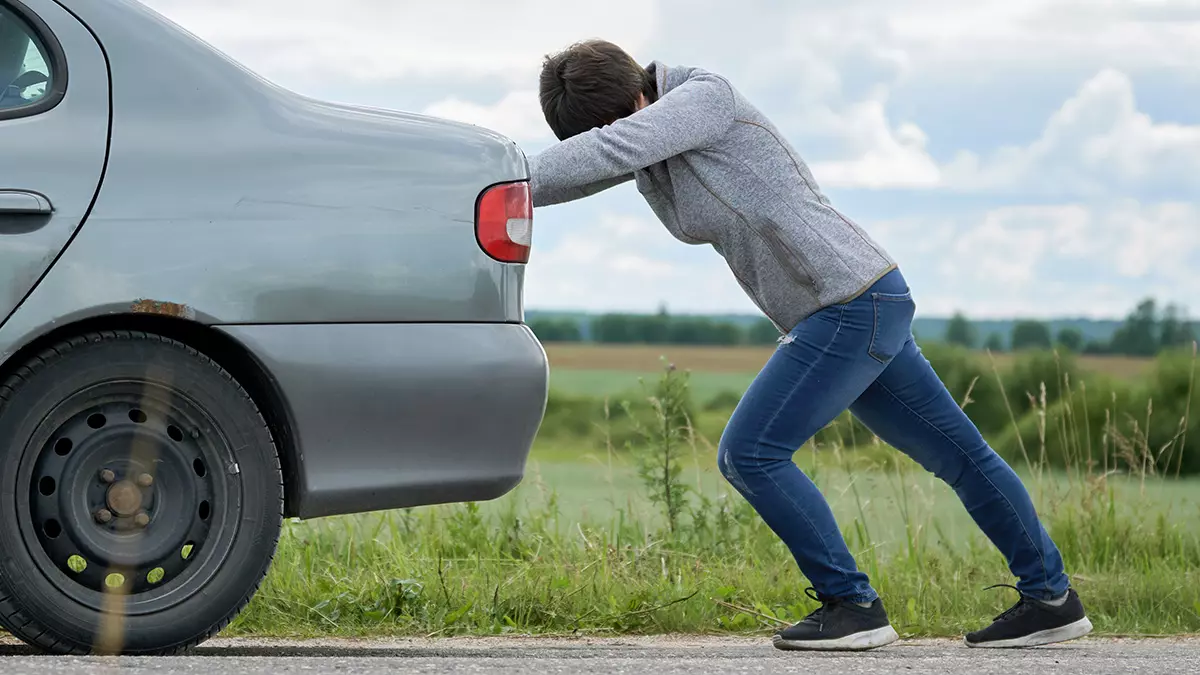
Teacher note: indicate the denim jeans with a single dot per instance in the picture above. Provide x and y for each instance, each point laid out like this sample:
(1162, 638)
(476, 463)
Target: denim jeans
(861, 355)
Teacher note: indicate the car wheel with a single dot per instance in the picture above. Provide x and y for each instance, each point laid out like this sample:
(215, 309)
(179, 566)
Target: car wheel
(141, 497)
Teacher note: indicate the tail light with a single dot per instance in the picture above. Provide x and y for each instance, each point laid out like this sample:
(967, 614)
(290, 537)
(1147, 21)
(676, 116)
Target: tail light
(504, 222)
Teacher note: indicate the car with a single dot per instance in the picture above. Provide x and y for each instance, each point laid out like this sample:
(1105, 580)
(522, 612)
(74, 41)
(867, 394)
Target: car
(225, 304)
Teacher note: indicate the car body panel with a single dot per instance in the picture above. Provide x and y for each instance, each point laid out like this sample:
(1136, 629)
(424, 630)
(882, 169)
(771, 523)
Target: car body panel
(314, 234)
(61, 158)
(462, 403)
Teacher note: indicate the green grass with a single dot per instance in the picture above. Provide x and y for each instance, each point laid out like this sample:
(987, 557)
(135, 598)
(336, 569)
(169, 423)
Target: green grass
(704, 385)
(579, 547)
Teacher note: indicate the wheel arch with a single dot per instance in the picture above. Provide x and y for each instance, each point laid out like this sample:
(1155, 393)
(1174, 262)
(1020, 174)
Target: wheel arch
(222, 348)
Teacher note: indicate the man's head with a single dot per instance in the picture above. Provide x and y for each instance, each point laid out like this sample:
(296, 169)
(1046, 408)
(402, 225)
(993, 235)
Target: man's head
(591, 84)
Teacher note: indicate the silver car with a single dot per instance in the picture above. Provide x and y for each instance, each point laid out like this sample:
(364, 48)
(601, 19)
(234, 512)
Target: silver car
(224, 304)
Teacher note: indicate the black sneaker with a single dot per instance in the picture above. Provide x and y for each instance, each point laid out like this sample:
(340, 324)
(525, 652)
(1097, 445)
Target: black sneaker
(839, 625)
(1032, 622)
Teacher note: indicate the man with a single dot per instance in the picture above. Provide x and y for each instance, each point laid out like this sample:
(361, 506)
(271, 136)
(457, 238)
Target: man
(716, 171)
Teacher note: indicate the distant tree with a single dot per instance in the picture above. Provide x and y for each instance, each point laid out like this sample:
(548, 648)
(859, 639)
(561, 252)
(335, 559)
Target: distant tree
(556, 330)
(653, 329)
(613, 328)
(701, 330)
(1071, 339)
(960, 331)
(762, 332)
(1096, 347)
(1029, 334)
(994, 343)
(726, 333)
(1138, 336)
(1174, 329)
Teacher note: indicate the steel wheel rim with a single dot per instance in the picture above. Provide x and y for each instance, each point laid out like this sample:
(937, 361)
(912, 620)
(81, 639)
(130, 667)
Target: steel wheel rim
(192, 500)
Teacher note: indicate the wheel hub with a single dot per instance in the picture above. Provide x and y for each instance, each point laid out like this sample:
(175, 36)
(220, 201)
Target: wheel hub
(124, 498)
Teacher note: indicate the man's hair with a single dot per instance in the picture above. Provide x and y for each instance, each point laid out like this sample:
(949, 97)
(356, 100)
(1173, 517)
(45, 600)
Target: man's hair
(591, 84)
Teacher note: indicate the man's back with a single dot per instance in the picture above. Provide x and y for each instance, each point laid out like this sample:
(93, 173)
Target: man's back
(747, 192)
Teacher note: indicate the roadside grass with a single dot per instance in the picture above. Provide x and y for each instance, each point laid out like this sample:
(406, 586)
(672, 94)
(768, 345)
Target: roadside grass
(650, 539)
(705, 385)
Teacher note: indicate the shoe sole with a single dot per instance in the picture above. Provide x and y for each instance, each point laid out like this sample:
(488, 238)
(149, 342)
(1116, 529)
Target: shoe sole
(868, 639)
(1070, 631)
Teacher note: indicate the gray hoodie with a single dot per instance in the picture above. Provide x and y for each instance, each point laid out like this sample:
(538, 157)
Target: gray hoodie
(716, 171)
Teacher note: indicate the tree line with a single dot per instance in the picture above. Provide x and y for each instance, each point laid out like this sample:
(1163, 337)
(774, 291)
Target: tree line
(659, 328)
(1146, 331)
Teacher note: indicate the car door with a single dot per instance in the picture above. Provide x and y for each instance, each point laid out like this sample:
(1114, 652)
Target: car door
(54, 131)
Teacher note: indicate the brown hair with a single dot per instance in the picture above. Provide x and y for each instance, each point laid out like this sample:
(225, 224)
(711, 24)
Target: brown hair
(591, 84)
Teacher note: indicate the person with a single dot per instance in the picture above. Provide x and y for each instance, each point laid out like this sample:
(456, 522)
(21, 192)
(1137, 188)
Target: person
(716, 171)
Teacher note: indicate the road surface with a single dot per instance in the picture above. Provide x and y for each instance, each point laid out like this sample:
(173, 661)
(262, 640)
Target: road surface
(659, 655)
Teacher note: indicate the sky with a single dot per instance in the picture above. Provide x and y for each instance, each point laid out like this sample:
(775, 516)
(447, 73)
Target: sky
(1032, 158)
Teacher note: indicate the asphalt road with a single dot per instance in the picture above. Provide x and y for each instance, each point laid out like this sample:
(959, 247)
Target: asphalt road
(665, 656)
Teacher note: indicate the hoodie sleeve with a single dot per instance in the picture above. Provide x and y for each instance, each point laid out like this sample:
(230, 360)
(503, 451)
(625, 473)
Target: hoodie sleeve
(693, 115)
(551, 196)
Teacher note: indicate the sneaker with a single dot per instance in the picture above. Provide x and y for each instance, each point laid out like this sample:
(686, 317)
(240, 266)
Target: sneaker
(838, 625)
(1032, 622)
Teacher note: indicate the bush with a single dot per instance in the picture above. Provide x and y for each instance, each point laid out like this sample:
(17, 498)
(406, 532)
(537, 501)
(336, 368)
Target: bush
(724, 401)
(973, 382)
(1151, 427)
(964, 373)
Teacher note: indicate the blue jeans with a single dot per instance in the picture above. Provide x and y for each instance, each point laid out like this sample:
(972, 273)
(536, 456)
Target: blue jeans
(861, 355)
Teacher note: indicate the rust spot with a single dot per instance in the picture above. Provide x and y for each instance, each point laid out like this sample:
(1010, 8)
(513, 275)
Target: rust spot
(162, 308)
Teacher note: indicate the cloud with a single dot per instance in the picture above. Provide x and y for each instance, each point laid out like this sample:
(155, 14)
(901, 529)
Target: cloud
(886, 157)
(1097, 142)
(1045, 260)
(306, 41)
(1039, 33)
(516, 115)
(628, 263)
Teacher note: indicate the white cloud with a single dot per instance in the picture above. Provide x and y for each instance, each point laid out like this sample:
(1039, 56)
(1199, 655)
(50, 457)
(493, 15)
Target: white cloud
(1040, 33)
(886, 156)
(307, 41)
(628, 263)
(1097, 142)
(517, 115)
(1049, 260)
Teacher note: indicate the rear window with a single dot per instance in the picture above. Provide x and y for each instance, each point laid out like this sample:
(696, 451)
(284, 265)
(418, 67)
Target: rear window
(26, 77)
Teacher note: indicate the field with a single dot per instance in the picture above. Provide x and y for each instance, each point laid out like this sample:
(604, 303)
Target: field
(599, 370)
(587, 544)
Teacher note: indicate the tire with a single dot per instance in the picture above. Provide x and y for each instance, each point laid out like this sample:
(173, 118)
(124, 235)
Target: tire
(121, 449)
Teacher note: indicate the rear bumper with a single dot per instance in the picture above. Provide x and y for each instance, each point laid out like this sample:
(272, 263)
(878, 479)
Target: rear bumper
(389, 416)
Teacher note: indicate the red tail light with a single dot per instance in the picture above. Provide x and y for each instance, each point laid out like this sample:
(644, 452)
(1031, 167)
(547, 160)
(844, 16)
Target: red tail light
(504, 222)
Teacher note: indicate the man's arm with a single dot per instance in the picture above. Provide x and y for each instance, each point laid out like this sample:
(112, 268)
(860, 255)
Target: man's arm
(548, 197)
(691, 116)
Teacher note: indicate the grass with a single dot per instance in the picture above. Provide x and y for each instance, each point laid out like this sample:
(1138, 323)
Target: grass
(705, 385)
(589, 556)
(582, 547)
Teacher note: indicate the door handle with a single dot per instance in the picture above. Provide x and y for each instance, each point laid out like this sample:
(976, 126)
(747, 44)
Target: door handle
(18, 202)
